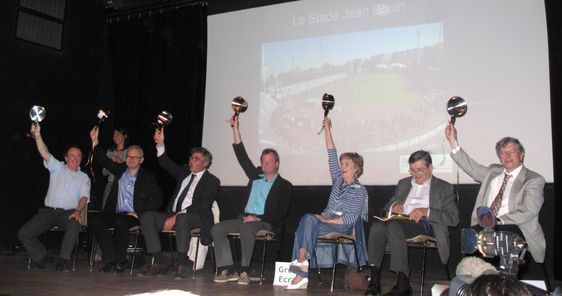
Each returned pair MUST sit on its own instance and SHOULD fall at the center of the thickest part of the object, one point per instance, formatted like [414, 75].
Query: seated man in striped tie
[513, 192]
[189, 207]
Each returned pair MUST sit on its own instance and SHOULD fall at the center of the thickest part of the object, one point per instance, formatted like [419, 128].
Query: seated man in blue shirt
[67, 197]
[135, 193]
[268, 198]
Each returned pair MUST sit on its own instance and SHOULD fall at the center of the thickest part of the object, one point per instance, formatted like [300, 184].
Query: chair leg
[359, 267]
[446, 266]
[317, 268]
[29, 263]
[195, 261]
[334, 267]
[263, 260]
[171, 245]
[423, 269]
[134, 252]
[546, 279]
[76, 252]
[236, 262]
[93, 253]
[212, 247]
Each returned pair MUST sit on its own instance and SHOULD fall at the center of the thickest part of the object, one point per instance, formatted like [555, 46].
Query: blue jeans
[310, 227]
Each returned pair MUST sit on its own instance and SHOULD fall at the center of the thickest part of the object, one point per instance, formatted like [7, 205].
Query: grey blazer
[443, 210]
[525, 199]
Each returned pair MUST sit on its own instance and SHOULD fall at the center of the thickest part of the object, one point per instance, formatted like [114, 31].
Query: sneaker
[224, 277]
[302, 284]
[243, 279]
[297, 266]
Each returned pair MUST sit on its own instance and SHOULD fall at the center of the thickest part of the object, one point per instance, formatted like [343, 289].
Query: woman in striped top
[347, 204]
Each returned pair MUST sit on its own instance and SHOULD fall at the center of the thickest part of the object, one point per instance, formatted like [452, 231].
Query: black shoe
[63, 265]
[43, 262]
[397, 292]
[122, 266]
[108, 267]
[373, 290]
[154, 269]
[180, 272]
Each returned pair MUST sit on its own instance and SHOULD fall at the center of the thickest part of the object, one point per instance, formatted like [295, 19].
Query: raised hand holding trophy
[456, 107]
[239, 105]
[328, 103]
[36, 114]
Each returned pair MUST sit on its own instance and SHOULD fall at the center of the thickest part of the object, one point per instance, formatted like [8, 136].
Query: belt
[51, 208]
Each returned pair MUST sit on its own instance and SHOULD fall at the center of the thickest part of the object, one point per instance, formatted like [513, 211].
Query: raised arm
[235, 129]
[328, 133]
[41, 147]
[451, 135]
[100, 157]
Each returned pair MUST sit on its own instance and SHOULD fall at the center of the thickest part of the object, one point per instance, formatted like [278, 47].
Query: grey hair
[509, 140]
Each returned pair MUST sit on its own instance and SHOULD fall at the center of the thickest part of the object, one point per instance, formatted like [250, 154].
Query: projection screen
[391, 66]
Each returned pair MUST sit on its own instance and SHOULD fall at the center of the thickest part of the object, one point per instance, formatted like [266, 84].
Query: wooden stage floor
[15, 279]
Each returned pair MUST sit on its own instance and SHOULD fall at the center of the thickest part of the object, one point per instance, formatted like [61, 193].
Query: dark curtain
[158, 63]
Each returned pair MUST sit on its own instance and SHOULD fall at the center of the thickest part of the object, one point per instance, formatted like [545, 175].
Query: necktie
[496, 204]
[183, 194]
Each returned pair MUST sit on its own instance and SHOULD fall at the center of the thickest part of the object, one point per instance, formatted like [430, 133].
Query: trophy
[163, 119]
[102, 115]
[327, 104]
[89, 166]
[239, 105]
[36, 114]
[456, 107]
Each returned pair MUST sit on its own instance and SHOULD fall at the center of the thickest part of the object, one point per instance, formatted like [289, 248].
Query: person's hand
[250, 218]
[159, 137]
[76, 216]
[323, 219]
[451, 135]
[133, 214]
[35, 130]
[234, 121]
[418, 213]
[116, 158]
[397, 208]
[94, 133]
[170, 222]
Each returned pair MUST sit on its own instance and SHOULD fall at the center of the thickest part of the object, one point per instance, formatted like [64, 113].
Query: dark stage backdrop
[158, 63]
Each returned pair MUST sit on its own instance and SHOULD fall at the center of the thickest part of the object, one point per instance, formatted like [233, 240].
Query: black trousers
[113, 245]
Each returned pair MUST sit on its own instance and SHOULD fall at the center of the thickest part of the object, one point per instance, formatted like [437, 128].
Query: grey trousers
[44, 220]
[153, 222]
[395, 234]
[223, 253]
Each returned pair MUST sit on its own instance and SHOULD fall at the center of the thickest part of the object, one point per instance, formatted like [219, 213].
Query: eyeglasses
[133, 157]
[418, 171]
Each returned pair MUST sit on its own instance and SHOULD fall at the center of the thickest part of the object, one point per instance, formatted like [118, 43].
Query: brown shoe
[180, 272]
[154, 269]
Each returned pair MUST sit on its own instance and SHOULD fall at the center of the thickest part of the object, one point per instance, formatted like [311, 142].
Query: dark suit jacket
[279, 197]
[203, 197]
[443, 210]
[147, 196]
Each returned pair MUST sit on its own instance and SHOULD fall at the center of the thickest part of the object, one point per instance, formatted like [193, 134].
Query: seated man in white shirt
[431, 205]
